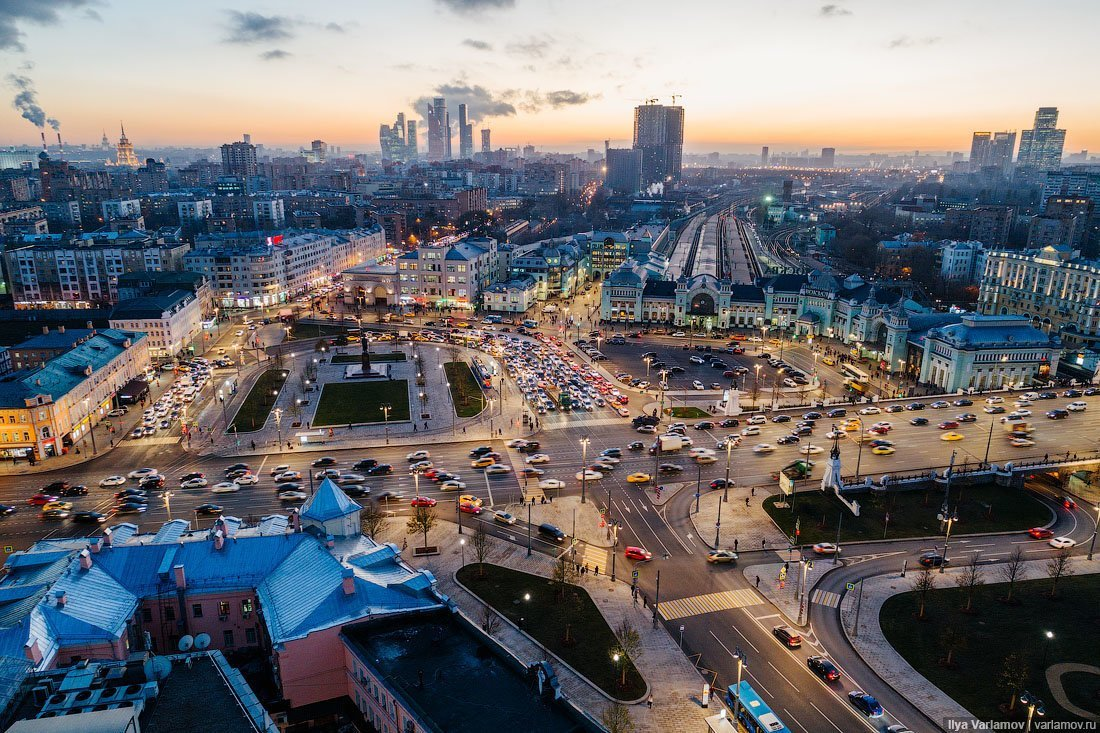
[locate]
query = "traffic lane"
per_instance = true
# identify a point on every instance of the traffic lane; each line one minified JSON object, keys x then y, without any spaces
{"x":627,"y":358}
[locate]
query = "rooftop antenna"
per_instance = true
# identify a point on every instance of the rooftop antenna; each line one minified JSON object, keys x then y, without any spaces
{"x":202,"y":641}
{"x":186,"y":642}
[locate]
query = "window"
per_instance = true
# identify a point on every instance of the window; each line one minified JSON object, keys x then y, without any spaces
{"x":196,"y":610}
{"x":147,"y":615}
{"x":223,"y":608}
{"x":250,"y":636}
{"x":246,"y":605}
{"x":169,"y":613}
{"x":227,"y":637}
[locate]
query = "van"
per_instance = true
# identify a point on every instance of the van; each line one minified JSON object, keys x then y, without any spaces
{"x":551,"y":532}
{"x":529,"y":323}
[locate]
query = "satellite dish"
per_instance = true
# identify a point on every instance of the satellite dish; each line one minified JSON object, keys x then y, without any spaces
{"x":202,"y":641}
{"x":186,"y":642}
{"x":162,"y":667}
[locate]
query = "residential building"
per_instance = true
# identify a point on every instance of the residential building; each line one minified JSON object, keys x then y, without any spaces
{"x":559,"y":267}
{"x":486,"y":140}
{"x":622,"y":169}
{"x":517,"y":295}
{"x":991,"y":225}
{"x":239,"y":160}
{"x":121,"y":209}
{"x":448,"y":275}
{"x":961,"y":261}
{"x":1056,"y":231}
{"x":1041,"y":147}
{"x":269,"y":213}
{"x":659,"y":136}
{"x":194,"y":211}
{"x":17,"y":221}
{"x":150,"y":282}
{"x":34,"y":352}
{"x":45,"y":410}
{"x":171,"y":321}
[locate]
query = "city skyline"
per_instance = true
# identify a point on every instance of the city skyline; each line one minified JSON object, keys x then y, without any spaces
{"x":547,"y":75}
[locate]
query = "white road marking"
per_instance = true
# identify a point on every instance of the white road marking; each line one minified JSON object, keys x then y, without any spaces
{"x":815,"y":707}
{"x":658,"y":537}
{"x":790,"y":716}
{"x":783,"y":676}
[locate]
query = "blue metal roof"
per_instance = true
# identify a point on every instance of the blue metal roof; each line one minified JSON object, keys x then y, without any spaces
{"x":328,"y":503}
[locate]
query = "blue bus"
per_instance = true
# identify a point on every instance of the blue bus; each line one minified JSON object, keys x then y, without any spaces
{"x":482,"y":374}
{"x":752,"y":712}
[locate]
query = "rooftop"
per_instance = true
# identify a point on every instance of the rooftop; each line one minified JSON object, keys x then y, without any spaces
{"x":151,"y":306}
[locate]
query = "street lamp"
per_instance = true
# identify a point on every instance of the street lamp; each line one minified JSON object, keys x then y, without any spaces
{"x":584,"y":466}
{"x":385,"y":408}
{"x":88,"y":417}
{"x":278,"y":414}
{"x":462,"y":544}
{"x":950,"y":519}
{"x":859,"y":456}
{"x":168,"y":503}
{"x":1092,"y":543}
{"x":1049,"y":637}
{"x":741,"y":665}
{"x":454,"y":412}
{"x":1034,"y":707}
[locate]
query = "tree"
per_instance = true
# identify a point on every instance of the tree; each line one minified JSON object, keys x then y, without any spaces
{"x":371,"y":520}
{"x":628,"y":646}
{"x":970,"y":578}
{"x":1057,"y":568}
{"x":951,"y":640}
{"x":1011,"y":570}
{"x":480,"y":543}
{"x":563,"y":575}
{"x":1013,"y":677}
{"x":422,"y":520}
{"x":616,"y":718}
{"x":924,"y":581}
{"x":490,"y":621}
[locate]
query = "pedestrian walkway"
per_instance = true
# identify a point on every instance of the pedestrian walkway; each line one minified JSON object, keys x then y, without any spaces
{"x":709,"y":603}
{"x":781,"y":584}
{"x":673,"y":680}
{"x":749,"y":526}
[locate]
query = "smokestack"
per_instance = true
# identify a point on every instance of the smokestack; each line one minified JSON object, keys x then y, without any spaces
{"x":43,"y":133}
{"x":60,"y":145}
{"x":85,"y":560}
{"x":59,"y":595}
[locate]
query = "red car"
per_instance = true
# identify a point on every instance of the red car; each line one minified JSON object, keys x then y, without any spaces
{"x":431,"y":472}
{"x":1068,"y":502}
{"x":469,"y":508}
{"x":423,"y":501}
{"x":948,"y":425}
{"x":41,"y":499}
{"x":637,"y":553}
{"x":1041,"y":533}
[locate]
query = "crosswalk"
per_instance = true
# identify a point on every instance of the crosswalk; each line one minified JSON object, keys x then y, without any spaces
{"x":708,"y":603}
{"x":593,"y":556}
{"x":825,"y":598}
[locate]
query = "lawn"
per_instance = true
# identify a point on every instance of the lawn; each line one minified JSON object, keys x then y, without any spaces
{"x":253,"y":412}
{"x":358,"y":358}
{"x":912,"y":513}
{"x":317,"y":330}
{"x":465,"y":392}
{"x":545,"y":618}
{"x":687,"y":412}
{"x":343,"y":403}
{"x":995,"y":630}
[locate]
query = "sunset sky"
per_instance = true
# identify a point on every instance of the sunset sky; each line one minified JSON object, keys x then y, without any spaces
{"x":854,"y":74}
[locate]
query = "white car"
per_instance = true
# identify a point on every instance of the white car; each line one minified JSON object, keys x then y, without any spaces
{"x":517,"y":443}
{"x":288,"y":476}
{"x":757,"y":420}
{"x":281,"y":468}
{"x":247,"y":479}
{"x":994,"y":400}
{"x":225,"y":487}
{"x":1022,"y":403}
{"x":763,"y":448}
{"x":870,"y":410}
{"x":538,"y":458}
{"x":418,"y":455}
{"x":750,"y":430}
{"x":705,"y":459}
{"x":696,"y":384}
{"x":1030,"y":396}
{"x":646,"y":429}
{"x":589,"y":475}
{"x":695,"y":359}
{"x":140,"y":473}
{"x":551,"y":483}
{"x":194,"y":483}
{"x":497,"y":469}
{"x":452,"y":485}
{"x":609,"y":459}
{"x":811,"y":450}
{"x":1018,"y":413}
{"x":293,"y":496}
{"x":1077,"y":406}
{"x":113,"y":481}
{"x":503,"y":517}
{"x":1062,"y":543}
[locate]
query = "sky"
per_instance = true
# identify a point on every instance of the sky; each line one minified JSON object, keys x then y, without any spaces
{"x":857,"y":75}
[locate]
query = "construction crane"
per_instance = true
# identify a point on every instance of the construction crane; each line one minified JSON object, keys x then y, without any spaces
{"x":651,"y":101}
{"x":675,"y":97}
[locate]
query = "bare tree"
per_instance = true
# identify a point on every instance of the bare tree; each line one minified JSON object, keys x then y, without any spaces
{"x":1011,"y":570}
{"x":371,"y":520}
{"x":616,"y":718}
{"x":422,"y":520}
{"x":924,"y":581}
{"x":480,"y":544}
{"x":628,"y":646}
{"x":1013,"y":677}
{"x":971,"y":577}
{"x":564,"y":574}
{"x":951,"y":640}
{"x":1057,"y":568}
{"x":490,"y":621}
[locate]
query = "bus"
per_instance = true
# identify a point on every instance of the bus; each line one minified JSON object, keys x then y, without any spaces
{"x":855,"y":379}
{"x":752,"y":712}
{"x":483,"y":376}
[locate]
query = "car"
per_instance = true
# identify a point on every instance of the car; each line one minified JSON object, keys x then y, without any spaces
{"x":1067,"y":502}
{"x":1077,"y":406}
{"x":288,"y":476}
{"x":932,"y":560}
{"x":763,"y":448}
{"x":787,"y":636}
{"x":589,"y":474}
{"x":1057,"y":414}
{"x":6,"y":509}
{"x":951,"y":436}
{"x":721,"y":483}
{"x":293,"y":496}
{"x":193,"y":474}
{"x":74,"y":490}
{"x":1021,"y":442}
{"x":638,"y":477}
{"x":281,"y":468}
{"x":537,"y":458}
{"x":919,"y":421}
{"x":423,"y":466}
{"x":750,"y":431}
{"x":515,"y":443}
{"x":382,"y":469}
{"x":895,"y":408}
{"x":89,"y":517}
{"x":324,"y":462}
{"x":697,"y":385}
{"x":208,"y":510}
{"x":788,"y":439}
{"x":721,"y":556}
{"x":118,"y":411}
{"x":237,"y":467}
{"x":1047,"y":396}
{"x":498,"y":469}
{"x":247,"y":479}
{"x":729,"y":422}
{"x":836,"y":412}
{"x":551,"y":483}
{"x":355,"y":490}
{"x":437,"y":476}
{"x":915,"y":406}
{"x":418,"y":455}
{"x":612,"y":452}
{"x":967,"y":417}
{"x":994,"y":400}
{"x":877,"y":442}
{"x":883,"y":425}
{"x":53,"y":513}
{"x":636,"y":445}
{"x":704,"y":425}
{"x":503,"y":517}
{"x":131,"y":507}
{"x":940,"y":404}
{"x":238,"y":472}
{"x":365,"y":464}
{"x":872,"y":410}
{"x":126,"y":493}
{"x":781,"y":418}
{"x":112,"y":481}
{"x":483,"y":449}
{"x":469,"y":508}
{"x":66,"y":505}
{"x":823,"y":668}
{"x":637,"y":553}
{"x":993,"y":409}
{"x":193,"y":483}
{"x":963,"y":402}
{"x":1061,"y":543}
{"x":424,"y":501}
{"x":225,"y":487}
{"x":1041,"y":533}
{"x":452,"y":485}
{"x":865,"y":703}
{"x":529,"y":446}
{"x":948,"y":425}
{"x":41,"y":499}
{"x":650,"y":429}
{"x":1022,"y":403}
{"x":826,"y":548}
{"x":530,"y":472}
{"x":140,"y":473}
{"x":483,"y":462}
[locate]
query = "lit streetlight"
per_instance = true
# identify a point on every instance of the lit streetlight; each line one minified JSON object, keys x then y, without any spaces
{"x":584,"y":466}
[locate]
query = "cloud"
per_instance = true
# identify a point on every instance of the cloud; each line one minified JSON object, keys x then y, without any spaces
{"x":834,"y":11}
{"x":40,"y":12}
{"x":568,"y":98}
{"x":334,"y":27}
{"x":470,"y":7}
{"x":252,"y":27}
{"x":536,"y":47}
{"x":910,"y":42}
{"x":480,"y":102}
{"x":275,"y":54}
{"x":478,"y":45}
{"x":26,"y":100}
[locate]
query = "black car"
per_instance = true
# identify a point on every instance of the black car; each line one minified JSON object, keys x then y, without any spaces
{"x":636,"y":445}
{"x":919,"y":421}
{"x":963,"y":402}
{"x":236,"y":473}
{"x":382,"y":469}
{"x":823,"y":668}
{"x":1048,"y":395}
{"x":933,"y":560}
{"x":208,"y":509}
{"x":288,"y":486}
{"x":193,"y":474}
{"x":355,"y":490}
{"x":677,"y":369}
{"x":56,"y":487}
{"x":441,"y":476}
{"x":1072,"y":393}
{"x":812,"y":416}
{"x":670,"y":468}
{"x":237,"y":467}
{"x":6,"y":509}
{"x":365,"y":465}
{"x":89,"y":517}
{"x":613,"y":452}
{"x":551,"y":532}
{"x":1091,"y":391}
{"x":730,"y":422}
{"x":967,"y":417}
{"x":324,"y":462}
{"x":704,"y":425}
{"x":151,"y":483}
{"x":836,"y":412}
{"x":480,"y":451}
{"x":1057,"y":414}
{"x":131,"y":508}
{"x":803,"y":430}
{"x":915,"y":406}
{"x":720,"y":483}
{"x":530,"y":447}
{"x":788,"y":439}
{"x":645,"y":420}
{"x":719,"y":365}
{"x":77,"y":490}
{"x":126,"y":494}
{"x":895,"y":408}
{"x":781,"y":418}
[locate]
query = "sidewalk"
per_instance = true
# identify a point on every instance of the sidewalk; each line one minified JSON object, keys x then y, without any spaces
{"x":673,"y":680}
{"x":788,"y":598}
{"x":871,"y":644}
{"x":750,"y":526}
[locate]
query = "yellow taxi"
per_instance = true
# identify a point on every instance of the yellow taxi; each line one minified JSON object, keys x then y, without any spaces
{"x":883,"y":450}
{"x":483,"y":462}
{"x":470,"y":499}
{"x":638,"y":478}
{"x":951,"y":436}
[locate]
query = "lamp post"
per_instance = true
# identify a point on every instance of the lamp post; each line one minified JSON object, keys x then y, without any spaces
{"x":1092,"y":543}
{"x":88,"y":416}
{"x":462,"y":544}
{"x":1049,"y":638}
{"x":584,"y":466}
{"x":1034,"y":707}
{"x":614,"y":531}
{"x":225,"y":417}
{"x":278,"y":414}
{"x":385,"y":407}
{"x":741,"y":665}
{"x":950,"y":519}
{"x":491,"y":401}
{"x":859,"y":456}
{"x":168,"y":503}
{"x":454,"y":412}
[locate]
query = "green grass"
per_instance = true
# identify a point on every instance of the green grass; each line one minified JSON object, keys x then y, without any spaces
{"x":361,"y":402}
{"x":687,"y":412}
{"x":465,"y":391}
{"x":912,"y":513}
{"x":545,"y":618}
{"x":317,"y":330}
{"x":253,"y":412}
{"x":994,"y":631}
{"x":358,"y":359}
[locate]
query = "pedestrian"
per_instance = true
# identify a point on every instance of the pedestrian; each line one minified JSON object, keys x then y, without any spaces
{"x":763,"y":543}
{"x":649,"y":701}
{"x":757,"y":581}
{"x":753,"y":490}
{"x":585,"y":571}
{"x":597,"y":570}
{"x":746,"y":502}
{"x":735,"y":544}
{"x":253,"y":444}
{"x":463,"y":429}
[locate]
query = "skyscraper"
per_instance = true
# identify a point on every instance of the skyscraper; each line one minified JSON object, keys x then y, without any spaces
{"x":486,"y":145}
{"x":124,"y":154}
{"x":439,"y":130}
{"x":992,"y":150}
{"x":465,"y":134}
{"x":239,"y":159}
{"x":828,"y":157}
{"x":1041,"y":146}
{"x":764,"y":152}
{"x":659,"y":135}
{"x":398,"y":142}
{"x":623,"y":168}
{"x":412,"y":149}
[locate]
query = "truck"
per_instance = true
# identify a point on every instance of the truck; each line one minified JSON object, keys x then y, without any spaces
{"x":666,"y":443}
{"x":795,"y":471}
{"x":1017,"y":427}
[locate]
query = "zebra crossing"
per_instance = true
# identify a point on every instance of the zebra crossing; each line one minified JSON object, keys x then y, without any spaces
{"x":825,"y":598}
{"x":708,"y":603}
